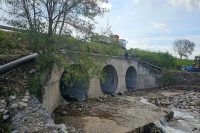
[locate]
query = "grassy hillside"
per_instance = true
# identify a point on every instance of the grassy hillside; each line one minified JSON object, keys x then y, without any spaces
{"x":161,"y":59}
{"x":12,"y":43}
{"x":185,"y":62}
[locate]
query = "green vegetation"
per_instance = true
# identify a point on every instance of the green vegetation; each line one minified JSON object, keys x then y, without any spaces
{"x":10,"y":42}
{"x":162,"y":59}
{"x":83,"y":58}
{"x":166,"y":79}
{"x":35,"y":84}
{"x":47,"y":31}
{"x":184,"y":47}
{"x":185,"y":62}
{"x":5,"y":126}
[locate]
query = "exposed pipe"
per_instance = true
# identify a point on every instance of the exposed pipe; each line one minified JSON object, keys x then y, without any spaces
{"x":9,"y":66}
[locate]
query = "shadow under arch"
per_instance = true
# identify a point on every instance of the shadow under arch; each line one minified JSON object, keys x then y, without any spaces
{"x":131,"y":78}
{"x":109,"y":82}
{"x":71,"y":88}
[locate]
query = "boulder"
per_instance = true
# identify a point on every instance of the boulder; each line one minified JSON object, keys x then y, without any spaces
{"x":25,"y":100}
{"x":62,"y":131}
{"x":6,"y":112}
{"x":15,"y":131}
{"x":64,"y":112}
{"x":27,"y":93}
{"x":60,"y":126}
{"x":5,"y":117}
{"x":22,"y":104}
{"x":3,"y":104}
{"x":121,"y":93}
{"x":13,"y":106}
{"x":2,"y":110}
{"x":12,"y":97}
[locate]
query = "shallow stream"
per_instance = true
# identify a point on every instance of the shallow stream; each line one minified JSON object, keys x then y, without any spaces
{"x":183,"y":122}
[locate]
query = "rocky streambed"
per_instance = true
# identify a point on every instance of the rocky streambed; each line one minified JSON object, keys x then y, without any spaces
{"x":126,"y":112}
{"x":185,"y":105}
{"x":117,"y":113}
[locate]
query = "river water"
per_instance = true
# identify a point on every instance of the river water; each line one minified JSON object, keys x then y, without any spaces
{"x":183,"y":121}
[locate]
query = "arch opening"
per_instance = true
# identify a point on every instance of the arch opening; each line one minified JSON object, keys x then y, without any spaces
{"x":109,"y":82}
{"x":131,"y":78}
{"x":74,"y":87}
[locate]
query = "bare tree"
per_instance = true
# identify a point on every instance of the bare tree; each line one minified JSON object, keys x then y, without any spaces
{"x":184,"y":47}
{"x":54,"y":16}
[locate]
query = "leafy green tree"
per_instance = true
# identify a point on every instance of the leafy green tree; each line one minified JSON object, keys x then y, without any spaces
{"x":49,"y":26}
{"x":184,"y":47}
{"x":53,"y":17}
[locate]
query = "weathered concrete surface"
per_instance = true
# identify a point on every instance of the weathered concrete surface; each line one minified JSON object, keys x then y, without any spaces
{"x":145,"y":78}
{"x":51,"y":96}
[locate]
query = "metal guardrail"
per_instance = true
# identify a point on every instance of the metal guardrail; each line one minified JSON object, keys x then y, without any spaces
{"x":151,"y":65}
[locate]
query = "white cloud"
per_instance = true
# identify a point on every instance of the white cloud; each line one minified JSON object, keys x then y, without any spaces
{"x":161,"y":26}
{"x":189,"y":4}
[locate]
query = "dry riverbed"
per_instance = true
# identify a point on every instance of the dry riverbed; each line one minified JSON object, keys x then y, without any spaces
{"x":119,"y":113}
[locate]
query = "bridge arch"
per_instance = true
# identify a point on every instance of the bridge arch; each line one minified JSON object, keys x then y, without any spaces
{"x":109,"y":83}
{"x":72,"y":89}
{"x":131,"y":78}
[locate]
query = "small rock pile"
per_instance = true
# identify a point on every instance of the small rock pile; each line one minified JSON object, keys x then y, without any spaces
{"x":87,"y":106}
{"x":29,"y":115}
{"x":189,"y":101}
{"x":4,"y":109}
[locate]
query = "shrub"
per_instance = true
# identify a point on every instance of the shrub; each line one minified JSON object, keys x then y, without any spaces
{"x":161,"y":59}
{"x":2,"y":36}
{"x":34,"y":85}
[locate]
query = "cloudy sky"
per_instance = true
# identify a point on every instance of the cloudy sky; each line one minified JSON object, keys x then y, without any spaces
{"x":154,"y":24}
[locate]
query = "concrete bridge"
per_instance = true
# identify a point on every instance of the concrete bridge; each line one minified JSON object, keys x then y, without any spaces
{"x":121,"y":75}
